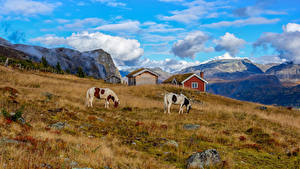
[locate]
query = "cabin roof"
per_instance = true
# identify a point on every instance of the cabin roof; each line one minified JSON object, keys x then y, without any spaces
{"x":181,"y":78}
{"x":140,"y":71}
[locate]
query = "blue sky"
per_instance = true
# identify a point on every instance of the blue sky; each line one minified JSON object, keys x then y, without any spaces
{"x":171,"y":34}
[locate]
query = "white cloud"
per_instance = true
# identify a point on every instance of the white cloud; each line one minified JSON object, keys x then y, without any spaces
{"x":122,"y":50}
{"x":81,"y":3}
{"x":194,"y":11}
{"x":229,"y":43}
{"x":160,"y":28}
{"x":127,"y":26}
{"x":27,"y":7}
{"x":157,"y":38}
{"x":242,"y":22}
{"x":225,"y":56}
{"x":291,"y":27}
{"x":78,"y":24}
{"x":258,"y":9}
{"x":168,"y":65}
{"x":268,"y":59}
{"x":50,"y":40}
{"x":62,"y":20}
{"x":112,"y":3}
{"x":193,"y":43}
{"x":287,"y":44}
{"x":74,"y":24}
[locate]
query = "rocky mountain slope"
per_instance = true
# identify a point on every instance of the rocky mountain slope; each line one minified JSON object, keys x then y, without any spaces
{"x":225,"y":69}
{"x":96,"y":63}
{"x":163,"y":75}
{"x":265,"y":89}
{"x":265,"y":67}
{"x":286,"y":71}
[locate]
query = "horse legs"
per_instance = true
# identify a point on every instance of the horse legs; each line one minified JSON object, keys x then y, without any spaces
{"x":165,"y":105}
{"x":91,"y":101}
{"x":107,"y":103}
{"x":180,"y":109}
{"x":169,"y":107}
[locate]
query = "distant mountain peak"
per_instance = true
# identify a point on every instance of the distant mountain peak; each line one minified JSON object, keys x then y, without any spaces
{"x":4,"y":42}
{"x":96,"y":63}
{"x":226,"y":69}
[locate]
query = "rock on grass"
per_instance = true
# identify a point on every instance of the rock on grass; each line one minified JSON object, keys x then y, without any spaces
{"x":208,"y":157}
{"x":191,"y":126}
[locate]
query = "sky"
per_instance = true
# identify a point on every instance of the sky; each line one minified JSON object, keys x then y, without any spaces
{"x":170,"y":34}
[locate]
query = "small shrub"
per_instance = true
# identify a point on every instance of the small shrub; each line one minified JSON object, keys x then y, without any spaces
{"x":80,"y":72}
{"x":14,"y":116}
{"x":58,"y":68}
{"x":127,"y":109}
{"x":44,"y":62}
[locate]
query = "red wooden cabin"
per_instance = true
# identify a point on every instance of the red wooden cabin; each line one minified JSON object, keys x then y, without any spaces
{"x":190,"y":80}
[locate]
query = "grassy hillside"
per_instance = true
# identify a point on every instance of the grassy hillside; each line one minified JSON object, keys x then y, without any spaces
{"x":134,"y":135}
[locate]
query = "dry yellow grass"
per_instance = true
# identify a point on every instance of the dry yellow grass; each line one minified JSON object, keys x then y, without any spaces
{"x":132,"y":135}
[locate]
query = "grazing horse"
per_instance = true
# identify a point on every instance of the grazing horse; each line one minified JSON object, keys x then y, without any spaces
{"x":101,"y":93}
{"x":172,"y":98}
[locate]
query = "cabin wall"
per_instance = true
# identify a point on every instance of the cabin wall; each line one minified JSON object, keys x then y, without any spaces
{"x":146,"y":78}
{"x":201,"y":84}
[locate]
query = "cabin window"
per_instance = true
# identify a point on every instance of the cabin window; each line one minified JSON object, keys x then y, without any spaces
{"x":194,"y":85}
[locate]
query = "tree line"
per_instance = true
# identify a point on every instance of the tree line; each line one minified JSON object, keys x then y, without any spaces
{"x":43,"y":66}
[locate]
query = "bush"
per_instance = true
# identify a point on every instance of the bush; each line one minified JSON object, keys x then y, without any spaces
{"x":58,"y":68}
{"x":13,"y":116}
{"x":80,"y":72}
{"x":44,"y":62}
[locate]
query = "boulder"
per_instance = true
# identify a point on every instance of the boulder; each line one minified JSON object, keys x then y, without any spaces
{"x":59,"y":125}
{"x":208,"y":157}
{"x":191,"y":126}
{"x":8,"y":141}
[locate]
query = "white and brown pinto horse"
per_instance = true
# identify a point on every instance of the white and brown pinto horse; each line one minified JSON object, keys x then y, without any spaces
{"x":172,"y":98}
{"x":101,"y":93}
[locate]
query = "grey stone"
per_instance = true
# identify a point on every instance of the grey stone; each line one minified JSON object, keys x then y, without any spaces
{"x":191,"y":126}
{"x":8,"y":141}
{"x":21,"y":120}
{"x":262,"y":108}
{"x":100,"y":119}
{"x":73,"y":164}
{"x":85,"y":125}
{"x":48,"y":95}
{"x":59,"y":125}
{"x":44,"y":165}
{"x":208,"y":157}
{"x":107,"y":167}
{"x":67,"y":159}
{"x":171,"y":143}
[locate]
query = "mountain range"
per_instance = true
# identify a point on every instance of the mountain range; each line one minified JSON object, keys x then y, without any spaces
{"x":244,"y":80}
{"x":96,"y":63}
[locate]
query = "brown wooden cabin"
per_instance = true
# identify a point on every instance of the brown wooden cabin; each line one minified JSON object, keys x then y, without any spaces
{"x":142,"y":76}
